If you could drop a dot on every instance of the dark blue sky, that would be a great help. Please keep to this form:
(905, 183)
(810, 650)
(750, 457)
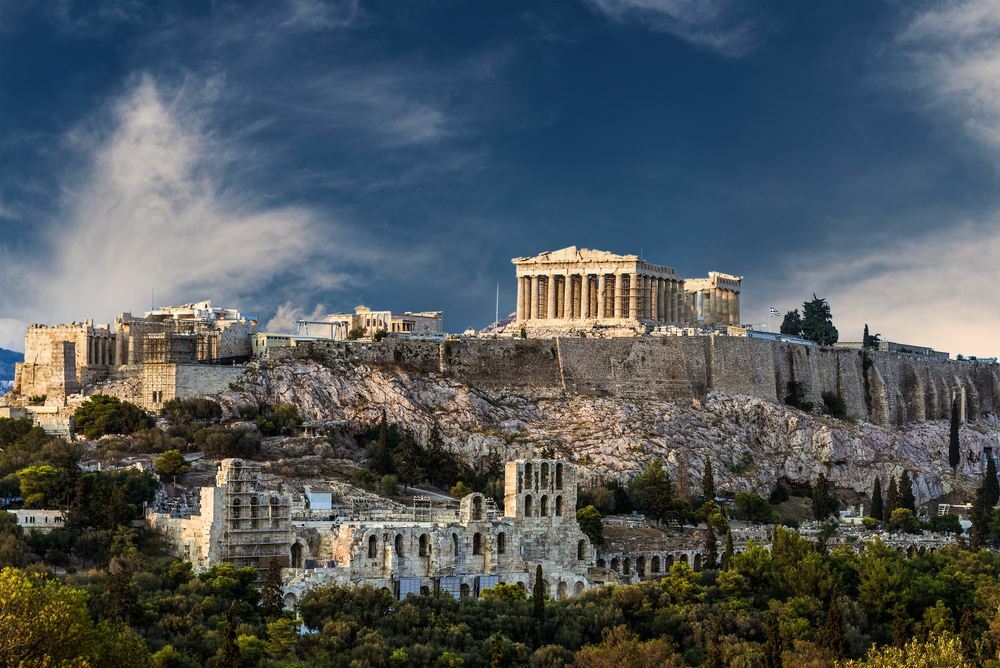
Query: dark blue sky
(291, 155)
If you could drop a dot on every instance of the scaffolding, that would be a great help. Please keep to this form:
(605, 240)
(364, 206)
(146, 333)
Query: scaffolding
(257, 522)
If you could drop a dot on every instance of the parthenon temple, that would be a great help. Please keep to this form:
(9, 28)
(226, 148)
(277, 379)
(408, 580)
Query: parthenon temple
(581, 288)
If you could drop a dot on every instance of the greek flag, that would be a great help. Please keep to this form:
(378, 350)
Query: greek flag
(774, 311)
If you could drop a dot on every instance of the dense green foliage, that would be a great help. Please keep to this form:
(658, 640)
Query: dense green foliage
(835, 405)
(280, 419)
(101, 415)
(791, 324)
(796, 396)
(589, 519)
(817, 322)
(870, 341)
(183, 411)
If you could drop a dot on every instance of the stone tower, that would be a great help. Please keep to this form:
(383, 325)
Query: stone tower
(540, 491)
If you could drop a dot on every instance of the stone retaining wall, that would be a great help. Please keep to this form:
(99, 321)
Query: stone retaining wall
(883, 387)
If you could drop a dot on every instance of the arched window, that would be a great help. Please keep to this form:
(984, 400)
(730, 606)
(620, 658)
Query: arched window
(237, 508)
(640, 566)
(424, 544)
(528, 510)
(253, 512)
(477, 508)
(627, 566)
(372, 547)
(454, 543)
(465, 591)
(581, 550)
(399, 544)
(601, 563)
(275, 511)
(654, 564)
(501, 543)
(529, 479)
(544, 507)
(520, 481)
(615, 564)
(477, 544)
(558, 506)
(296, 555)
(544, 477)
(559, 482)
(562, 590)
(697, 562)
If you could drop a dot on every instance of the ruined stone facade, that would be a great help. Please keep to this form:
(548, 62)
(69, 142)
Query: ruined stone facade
(195, 332)
(422, 550)
(582, 288)
(365, 322)
(60, 360)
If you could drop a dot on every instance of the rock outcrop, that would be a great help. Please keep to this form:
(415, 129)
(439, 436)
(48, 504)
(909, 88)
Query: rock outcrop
(752, 442)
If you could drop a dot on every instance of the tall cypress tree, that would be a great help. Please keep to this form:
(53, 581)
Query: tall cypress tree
(891, 499)
(711, 549)
(708, 483)
(991, 484)
(954, 455)
(823, 505)
(271, 602)
(538, 596)
(877, 509)
(773, 647)
(383, 454)
(831, 635)
(727, 554)
(906, 498)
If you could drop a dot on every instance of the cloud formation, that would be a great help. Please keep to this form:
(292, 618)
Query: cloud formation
(718, 25)
(938, 288)
(154, 208)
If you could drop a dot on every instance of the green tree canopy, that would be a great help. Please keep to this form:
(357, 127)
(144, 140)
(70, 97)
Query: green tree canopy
(590, 522)
(101, 415)
(171, 464)
(817, 322)
(792, 323)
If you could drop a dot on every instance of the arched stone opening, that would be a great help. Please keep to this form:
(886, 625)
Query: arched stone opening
(477, 543)
(627, 566)
(558, 506)
(601, 563)
(528, 510)
(640, 566)
(477, 508)
(454, 543)
(544, 507)
(697, 562)
(578, 588)
(529, 477)
(424, 545)
(544, 482)
(615, 565)
(562, 590)
(290, 601)
(559, 476)
(654, 564)
(464, 591)
(581, 550)
(296, 555)
(501, 543)
(372, 547)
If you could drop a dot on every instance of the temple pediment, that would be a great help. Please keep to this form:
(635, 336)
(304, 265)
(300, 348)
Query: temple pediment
(574, 254)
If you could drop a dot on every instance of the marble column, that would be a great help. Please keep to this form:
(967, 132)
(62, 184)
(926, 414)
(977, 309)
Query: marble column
(568, 296)
(585, 296)
(520, 298)
(602, 287)
(634, 286)
(654, 299)
(617, 297)
(551, 305)
(736, 309)
(533, 297)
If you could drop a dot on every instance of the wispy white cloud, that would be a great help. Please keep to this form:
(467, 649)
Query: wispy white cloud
(936, 288)
(154, 209)
(953, 57)
(723, 26)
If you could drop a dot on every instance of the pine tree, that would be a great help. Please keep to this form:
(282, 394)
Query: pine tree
(773, 647)
(891, 499)
(877, 508)
(708, 483)
(905, 489)
(711, 550)
(954, 446)
(271, 601)
(817, 322)
(727, 555)
(831, 635)
(791, 324)
(406, 460)
(870, 341)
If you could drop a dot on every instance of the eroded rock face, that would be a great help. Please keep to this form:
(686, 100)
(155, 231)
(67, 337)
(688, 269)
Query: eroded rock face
(752, 442)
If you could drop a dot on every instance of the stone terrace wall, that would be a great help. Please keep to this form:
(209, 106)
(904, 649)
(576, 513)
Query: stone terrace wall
(885, 388)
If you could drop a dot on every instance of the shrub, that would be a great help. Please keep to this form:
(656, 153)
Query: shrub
(183, 411)
(460, 489)
(172, 464)
(221, 442)
(903, 519)
(948, 523)
(589, 519)
(796, 396)
(835, 405)
(870, 523)
(101, 415)
(752, 507)
(389, 485)
(282, 419)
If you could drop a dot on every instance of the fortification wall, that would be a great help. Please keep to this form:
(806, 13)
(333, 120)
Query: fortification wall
(883, 387)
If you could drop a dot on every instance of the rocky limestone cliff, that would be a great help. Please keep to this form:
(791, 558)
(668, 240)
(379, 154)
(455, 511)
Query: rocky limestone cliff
(752, 442)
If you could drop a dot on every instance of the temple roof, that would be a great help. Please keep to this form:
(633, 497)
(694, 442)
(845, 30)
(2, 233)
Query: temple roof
(574, 254)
